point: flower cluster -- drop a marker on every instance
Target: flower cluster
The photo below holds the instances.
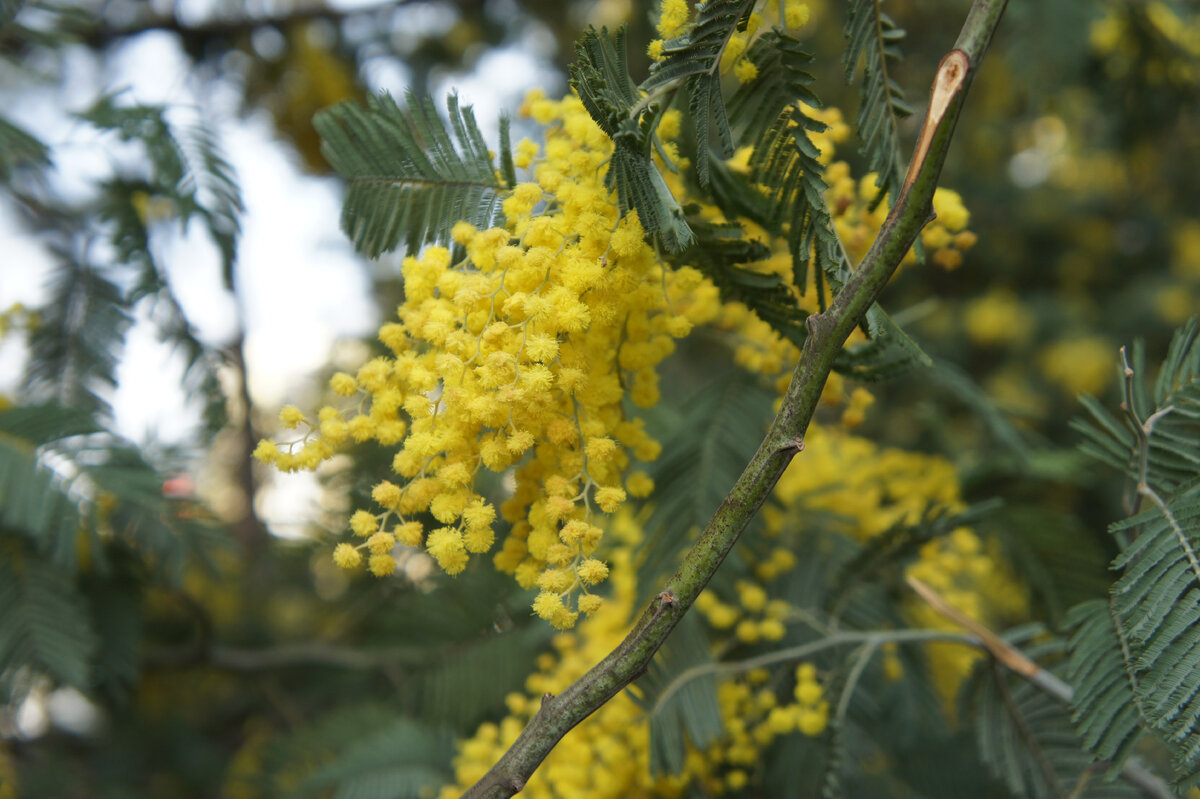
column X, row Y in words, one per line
column 608, row 754
column 864, row 490
column 526, row 353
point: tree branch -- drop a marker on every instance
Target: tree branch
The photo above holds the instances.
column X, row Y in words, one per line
column 827, row 333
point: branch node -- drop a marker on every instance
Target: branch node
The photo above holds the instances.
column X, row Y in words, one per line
column 793, row 445
column 667, row 598
column 517, row 784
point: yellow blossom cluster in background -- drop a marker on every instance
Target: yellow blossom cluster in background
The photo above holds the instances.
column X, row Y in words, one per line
column 1113, row 37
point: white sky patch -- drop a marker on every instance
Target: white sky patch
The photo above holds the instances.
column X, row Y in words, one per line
column 303, row 285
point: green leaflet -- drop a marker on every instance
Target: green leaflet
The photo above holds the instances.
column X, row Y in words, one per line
column 702, row 457
column 397, row 760
column 719, row 251
column 680, row 711
column 44, row 623
column 1136, row 658
column 75, row 350
column 18, row 148
column 600, row 76
column 873, row 40
column 411, row 176
column 694, row 58
column 1025, row 739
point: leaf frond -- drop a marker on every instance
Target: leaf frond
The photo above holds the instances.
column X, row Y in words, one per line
column 600, row 76
column 873, row 40
column 411, row 174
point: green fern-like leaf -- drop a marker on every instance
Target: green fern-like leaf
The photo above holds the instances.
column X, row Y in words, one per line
column 463, row 689
column 401, row 760
column 1148, row 648
column 1157, row 603
column 411, row 175
column 600, row 76
column 1106, row 710
column 680, row 710
column 44, row 624
column 786, row 162
column 75, row 350
column 719, row 252
column 701, row 459
column 874, row 41
column 19, row 148
column 783, row 80
column 889, row 353
column 693, row 59
column 35, row 501
column 1025, row 739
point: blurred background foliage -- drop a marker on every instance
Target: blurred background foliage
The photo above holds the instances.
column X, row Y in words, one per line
column 157, row 640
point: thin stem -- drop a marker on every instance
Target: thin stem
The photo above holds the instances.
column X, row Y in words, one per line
column 868, row 640
column 827, row 334
column 1132, row 771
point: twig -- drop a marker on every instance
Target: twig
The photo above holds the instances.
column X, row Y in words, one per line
column 1132, row 770
column 827, row 333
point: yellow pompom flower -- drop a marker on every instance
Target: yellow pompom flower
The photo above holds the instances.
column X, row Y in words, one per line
column 266, row 452
column 343, row 385
column 346, row 556
column 382, row 565
column 445, row 545
column 363, row 523
column 610, row 498
column 795, row 13
column 745, row 70
column 381, row 543
column 291, row 416
column 672, row 17
column 386, row 494
column 592, row 571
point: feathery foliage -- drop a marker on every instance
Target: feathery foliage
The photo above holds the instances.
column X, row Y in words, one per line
column 1025, row 738
column 681, row 709
column 410, row 176
column 600, row 75
column 19, row 148
column 74, row 352
column 873, row 40
column 401, row 760
column 1141, row 651
column 693, row 59
column 44, row 625
column 701, row 458
column 719, row 251
column 187, row 171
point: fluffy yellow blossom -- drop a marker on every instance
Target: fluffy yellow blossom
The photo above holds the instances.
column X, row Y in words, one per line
column 343, row 384
column 346, row 556
column 998, row 318
column 795, row 13
column 673, row 15
column 363, row 523
column 291, row 416
column 1084, row 365
column 950, row 211
column 382, row 565
column 745, row 70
